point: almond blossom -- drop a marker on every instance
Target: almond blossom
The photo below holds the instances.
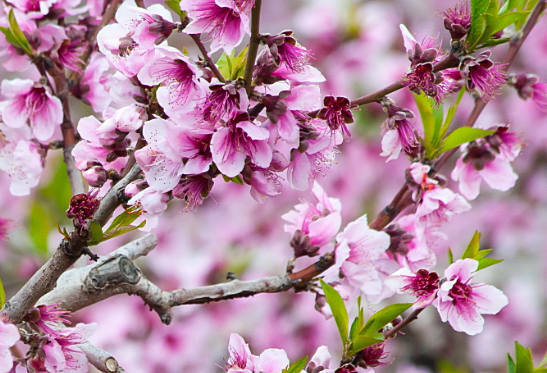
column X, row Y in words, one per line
column 31, row 103
column 9, row 335
column 226, row 21
column 461, row 301
column 487, row 159
column 319, row 220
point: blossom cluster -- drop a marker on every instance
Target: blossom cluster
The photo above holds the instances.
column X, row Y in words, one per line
column 53, row 346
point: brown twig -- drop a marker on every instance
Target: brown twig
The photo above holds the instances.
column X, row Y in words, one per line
column 205, row 54
column 253, row 45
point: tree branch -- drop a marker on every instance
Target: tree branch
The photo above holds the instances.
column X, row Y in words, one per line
column 207, row 58
column 101, row 359
column 253, row 45
column 43, row 280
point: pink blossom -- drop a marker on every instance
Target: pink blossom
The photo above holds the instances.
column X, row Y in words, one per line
column 321, row 361
column 411, row 243
column 487, row 159
column 529, row 86
column 193, row 189
column 179, row 78
column 461, row 302
column 436, row 204
column 94, row 82
column 422, row 56
column 22, row 161
column 31, row 103
column 337, row 113
column 361, row 259
column 240, row 359
column 457, row 20
column 9, row 335
column 153, row 203
column 128, row 44
column 315, row 155
column 168, row 144
column 482, row 75
column 239, row 138
column 422, row 284
column 148, row 26
column 319, row 220
column 223, row 102
column 285, row 49
column 226, row 21
column 399, row 132
column 37, row 9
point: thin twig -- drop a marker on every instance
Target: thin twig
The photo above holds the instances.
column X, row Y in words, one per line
column 207, row 58
column 407, row 320
column 253, row 45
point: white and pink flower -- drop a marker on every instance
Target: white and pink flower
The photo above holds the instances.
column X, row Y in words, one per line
column 31, row 103
column 461, row 302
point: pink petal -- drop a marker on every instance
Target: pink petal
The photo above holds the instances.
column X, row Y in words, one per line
column 469, row 179
column 323, row 230
column 225, row 154
column 391, row 145
column 299, row 172
column 461, row 269
column 489, row 299
column 45, row 121
column 499, row 175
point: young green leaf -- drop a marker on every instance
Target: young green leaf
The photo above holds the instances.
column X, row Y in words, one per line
column 523, row 359
column 473, row 247
column 426, row 108
column 231, row 66
column 15, row 36
column 511, row 367
column 478, row 23
column 358, row 322
column 96, row 232
column 174, row 5
column 2, row 294
column 339, row 311
column 463, row 135
column 450, row 256
column 383, row 317
column 362, row 341
column 297, row 366
column 487, row 262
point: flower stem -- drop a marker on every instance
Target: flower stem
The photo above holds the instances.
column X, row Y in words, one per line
column 253, row 45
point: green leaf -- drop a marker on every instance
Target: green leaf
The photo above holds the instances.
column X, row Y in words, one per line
column 362, row 341
column 236, row 179
column 544, row 361
column 2, row 294
column 297, row 366
column 463, row 135
column 511, row 367
column 120, row 225
column 478, row 29
column 339, row 311
column 383, row 317
column 39, row 224
column 425, row 107
column 523, row 359
column 96, row 232
column 450, row 256
column 487, row 262
column 232, row 67
column 358, row 322
column 174, row 5
column 15, row 36
column 473, row 246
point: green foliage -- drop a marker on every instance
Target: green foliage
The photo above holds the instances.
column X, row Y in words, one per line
column 523, row 363
column 434, row 123
column 236, row 179
column 297, row 366
column 450, row 256
column 2, row 294
column 15, row 36
column 463, row 135
column 48, row 208
column 338, row 309
column 473, row 251
column 360, row 342
column 120, row 225
column 487, row 19
column 232, row 67
column 383, row 317
column 445, row 366
column 174, row 5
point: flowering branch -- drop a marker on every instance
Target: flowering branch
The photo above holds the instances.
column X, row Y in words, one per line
column 253, row 45
column 66, row 254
